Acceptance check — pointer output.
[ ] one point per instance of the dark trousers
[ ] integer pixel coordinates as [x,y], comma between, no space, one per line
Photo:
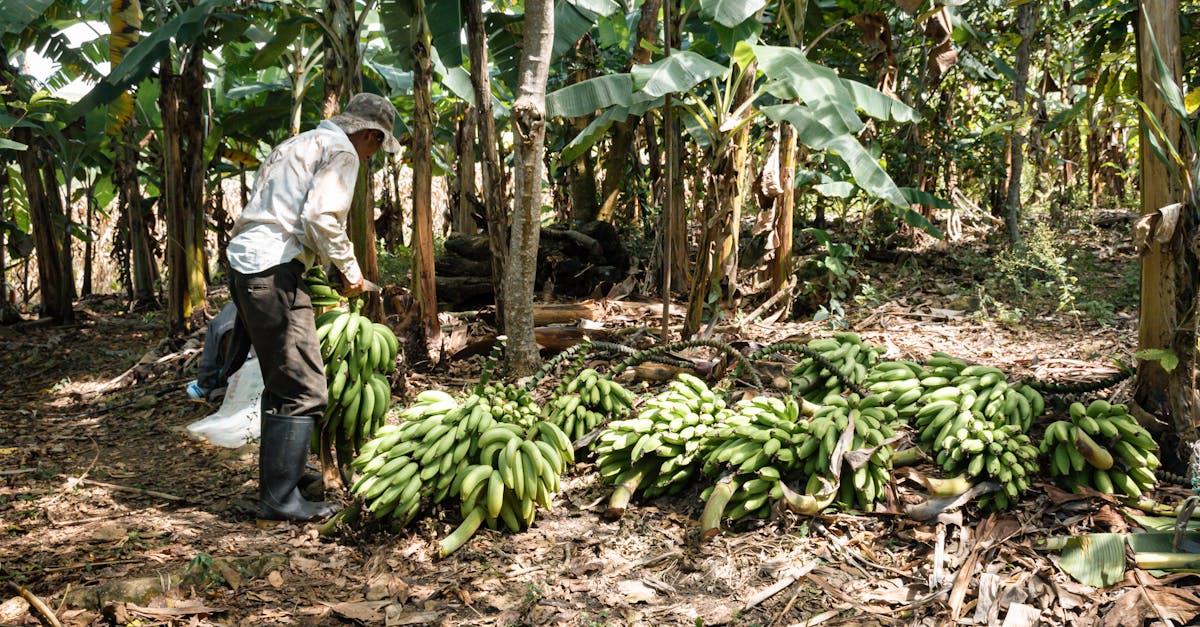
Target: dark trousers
[275,312]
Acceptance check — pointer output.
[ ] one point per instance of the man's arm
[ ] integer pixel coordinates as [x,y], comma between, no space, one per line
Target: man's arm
[324,216]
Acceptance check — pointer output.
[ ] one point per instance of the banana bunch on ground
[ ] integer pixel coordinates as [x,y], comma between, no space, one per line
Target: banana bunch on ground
[1104,447]
[660,447]
[587,401]
[862,482]
[970,444]
[358,354]
[901,384]
[982,389]
[499,463]
[323,294]
[756,447]
[509,403]
[845,352]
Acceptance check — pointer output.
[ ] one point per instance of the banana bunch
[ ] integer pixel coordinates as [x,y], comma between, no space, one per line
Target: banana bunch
[509,403]
[358,353]
[758,443]
[901,384]
[862,483]
[497,468]
[660,447]
[970,444]
[982,389]
[944,366]
[846,352]
[586,401]
[1102,446]
[323,294]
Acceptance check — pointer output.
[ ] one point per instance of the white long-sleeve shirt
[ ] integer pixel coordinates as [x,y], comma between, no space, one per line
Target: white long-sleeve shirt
[299,205]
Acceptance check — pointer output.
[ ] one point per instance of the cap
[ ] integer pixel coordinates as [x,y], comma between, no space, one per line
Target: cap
[372,111]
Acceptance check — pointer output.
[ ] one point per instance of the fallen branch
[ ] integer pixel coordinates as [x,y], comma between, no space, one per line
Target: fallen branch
[17,471]
[73,481]
[45,614]
[793,575]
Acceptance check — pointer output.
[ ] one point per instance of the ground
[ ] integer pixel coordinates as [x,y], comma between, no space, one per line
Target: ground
[111,514]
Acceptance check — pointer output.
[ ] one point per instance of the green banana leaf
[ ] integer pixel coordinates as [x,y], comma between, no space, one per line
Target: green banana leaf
[445,23]
[587,97]
[286,35]
[677,73]
[879,105]
[591,134]
[1096,559]
[573,19]
[19,13]
[791,76]
[730,13]
[814,132]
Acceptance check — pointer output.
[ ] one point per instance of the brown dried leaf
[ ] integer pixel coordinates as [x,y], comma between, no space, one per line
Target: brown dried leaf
[366,611]
[1139,604]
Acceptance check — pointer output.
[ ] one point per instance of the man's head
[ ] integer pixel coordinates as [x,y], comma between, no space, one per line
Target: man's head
[367,120]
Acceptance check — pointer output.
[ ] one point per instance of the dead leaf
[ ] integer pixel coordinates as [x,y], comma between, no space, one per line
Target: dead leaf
[366,611]
[110,532]
[13,609]
[394,617]
[275,579]
[1139,604]
[635,591]
[229,573]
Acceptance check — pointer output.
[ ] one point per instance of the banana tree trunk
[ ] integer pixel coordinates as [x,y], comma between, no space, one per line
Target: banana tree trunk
[141,271]
[423,283]
[464,146]
[45,208]
[785,207]
[1169,268]
[493,175]
[183,188]
[529,136]
[622,139]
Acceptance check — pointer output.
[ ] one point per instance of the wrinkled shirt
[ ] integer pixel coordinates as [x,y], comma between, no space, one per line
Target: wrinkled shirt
[299,205]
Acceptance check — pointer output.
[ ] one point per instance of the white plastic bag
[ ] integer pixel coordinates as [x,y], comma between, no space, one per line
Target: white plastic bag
[237,422]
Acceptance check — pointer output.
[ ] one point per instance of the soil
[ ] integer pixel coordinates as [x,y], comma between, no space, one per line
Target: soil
[111,514]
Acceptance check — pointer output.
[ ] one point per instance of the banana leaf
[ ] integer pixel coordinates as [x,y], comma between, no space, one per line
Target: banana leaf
[573,19]
[19,13]
[587,97]
[677,73]
[730,13]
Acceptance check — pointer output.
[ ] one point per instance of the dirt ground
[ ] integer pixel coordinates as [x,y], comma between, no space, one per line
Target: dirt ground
[111,514]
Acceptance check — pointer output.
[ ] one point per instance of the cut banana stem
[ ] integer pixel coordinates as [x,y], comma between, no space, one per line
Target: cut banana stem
[714,509]
[625,489]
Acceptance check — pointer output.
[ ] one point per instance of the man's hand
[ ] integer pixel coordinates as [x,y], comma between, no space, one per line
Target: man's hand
[350,290]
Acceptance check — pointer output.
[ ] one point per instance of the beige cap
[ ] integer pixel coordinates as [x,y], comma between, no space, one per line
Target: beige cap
[369,111]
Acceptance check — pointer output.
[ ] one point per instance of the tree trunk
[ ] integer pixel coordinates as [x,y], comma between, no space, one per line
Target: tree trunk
[424,286]
[529,135]
[464,145]
[622,139]
[142,272]
[88,244]
[183,188]
[493,176]
[1169,269]
[1026,17]
[343,79]
[785,205]
[54,281]
[717,262]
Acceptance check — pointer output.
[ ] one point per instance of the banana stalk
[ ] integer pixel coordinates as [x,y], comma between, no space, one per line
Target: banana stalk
[714,508]
[619,501]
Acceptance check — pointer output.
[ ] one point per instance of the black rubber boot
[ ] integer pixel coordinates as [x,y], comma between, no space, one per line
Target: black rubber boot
[282,452]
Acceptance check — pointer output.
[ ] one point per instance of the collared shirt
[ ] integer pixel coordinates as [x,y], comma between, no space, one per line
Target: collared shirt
[299,205]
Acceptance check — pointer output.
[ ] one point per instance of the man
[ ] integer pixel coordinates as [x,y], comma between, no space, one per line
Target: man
[296,218]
